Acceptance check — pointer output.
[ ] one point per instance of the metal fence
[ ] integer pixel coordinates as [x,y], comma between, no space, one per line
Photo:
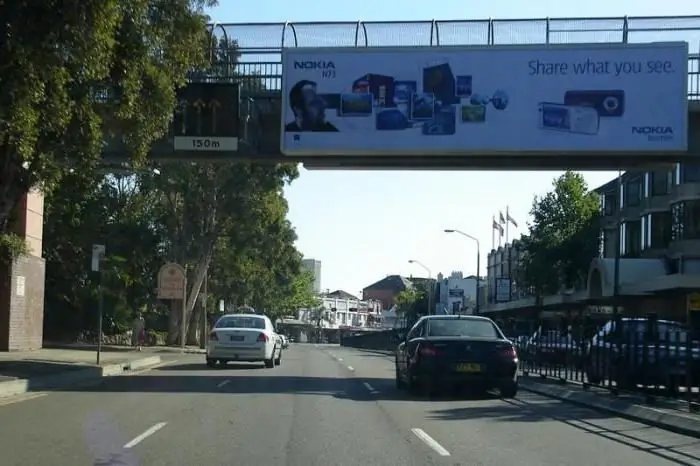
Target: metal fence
[655,359]
[260,44]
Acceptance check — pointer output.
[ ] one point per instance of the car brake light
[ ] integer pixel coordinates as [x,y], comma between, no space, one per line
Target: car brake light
[263,337]
[429,350]
[213,336]
[508,352]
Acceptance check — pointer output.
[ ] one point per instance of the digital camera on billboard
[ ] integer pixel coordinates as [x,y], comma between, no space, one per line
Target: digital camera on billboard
[608,103]
[568,118]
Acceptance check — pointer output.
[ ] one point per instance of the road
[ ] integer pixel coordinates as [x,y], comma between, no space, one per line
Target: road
[324,406]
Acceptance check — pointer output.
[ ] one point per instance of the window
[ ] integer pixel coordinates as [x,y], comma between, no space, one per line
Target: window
[659,230]
[416,331]
[609,200]
[685,220]
[241,322]
[660,182]
[633,192]
[690,172]
[462,328]
[632,234]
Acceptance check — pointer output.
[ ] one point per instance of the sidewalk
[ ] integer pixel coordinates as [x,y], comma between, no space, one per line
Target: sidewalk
[45,369]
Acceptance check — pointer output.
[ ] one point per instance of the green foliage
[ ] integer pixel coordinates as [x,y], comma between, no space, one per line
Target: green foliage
[412,303]
[11,246]
[84,68]
[563,236]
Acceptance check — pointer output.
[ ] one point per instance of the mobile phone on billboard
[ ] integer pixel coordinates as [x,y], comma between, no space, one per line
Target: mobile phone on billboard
[609,103]
[568,118]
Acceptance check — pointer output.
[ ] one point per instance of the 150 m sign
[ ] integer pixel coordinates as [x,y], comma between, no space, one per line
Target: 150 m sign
[207,119]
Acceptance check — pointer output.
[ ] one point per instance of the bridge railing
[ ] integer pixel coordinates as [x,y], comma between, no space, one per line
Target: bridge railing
[258,45]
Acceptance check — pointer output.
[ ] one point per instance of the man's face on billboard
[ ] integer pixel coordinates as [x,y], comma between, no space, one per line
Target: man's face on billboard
[313,110]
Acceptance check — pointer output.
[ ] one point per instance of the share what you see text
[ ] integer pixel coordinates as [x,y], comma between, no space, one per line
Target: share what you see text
[595,67]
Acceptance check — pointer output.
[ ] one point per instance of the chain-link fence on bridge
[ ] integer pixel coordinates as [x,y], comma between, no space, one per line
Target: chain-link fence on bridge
[258,46]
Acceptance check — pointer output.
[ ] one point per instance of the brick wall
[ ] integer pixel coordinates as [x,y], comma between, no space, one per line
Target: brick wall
[22,304]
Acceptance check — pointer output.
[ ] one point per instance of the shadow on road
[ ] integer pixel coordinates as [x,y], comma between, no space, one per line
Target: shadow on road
[27,368]
[204,367]
[528,408]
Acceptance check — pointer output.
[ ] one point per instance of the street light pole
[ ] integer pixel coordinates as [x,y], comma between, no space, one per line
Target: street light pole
[430,280]
[477,307]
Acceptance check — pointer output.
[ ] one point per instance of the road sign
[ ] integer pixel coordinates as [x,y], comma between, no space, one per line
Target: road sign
[172,282]
[98,253]
[207,118]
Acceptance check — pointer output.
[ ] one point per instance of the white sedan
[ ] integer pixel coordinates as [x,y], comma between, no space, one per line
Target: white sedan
[244,338]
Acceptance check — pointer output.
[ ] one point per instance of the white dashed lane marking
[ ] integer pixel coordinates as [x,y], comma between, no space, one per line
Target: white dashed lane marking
[431,442]
[221,384]
[136,440]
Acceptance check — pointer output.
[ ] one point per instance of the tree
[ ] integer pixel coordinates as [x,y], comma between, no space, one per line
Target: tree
[82,70]
[563,236]
[412,303]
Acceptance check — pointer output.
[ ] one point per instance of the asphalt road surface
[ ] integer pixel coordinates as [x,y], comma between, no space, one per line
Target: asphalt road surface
[324,406]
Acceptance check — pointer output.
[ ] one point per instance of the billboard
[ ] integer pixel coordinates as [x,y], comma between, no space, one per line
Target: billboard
[555,99]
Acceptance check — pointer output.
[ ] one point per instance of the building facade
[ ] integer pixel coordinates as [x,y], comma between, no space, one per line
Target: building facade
[650,234]
[456,294]
[314,266]
[335,313]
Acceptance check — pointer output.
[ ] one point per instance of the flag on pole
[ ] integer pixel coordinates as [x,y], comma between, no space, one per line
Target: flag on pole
[497,226]
[510,219]
[501,218]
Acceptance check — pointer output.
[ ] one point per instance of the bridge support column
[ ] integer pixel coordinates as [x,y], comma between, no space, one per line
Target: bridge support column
[22,282]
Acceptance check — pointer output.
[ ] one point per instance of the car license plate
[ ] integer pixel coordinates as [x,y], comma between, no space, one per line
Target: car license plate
[469,368]
[236,338]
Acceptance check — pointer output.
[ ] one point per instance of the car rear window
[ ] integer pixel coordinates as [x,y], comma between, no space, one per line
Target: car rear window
[241,322]
[462,328]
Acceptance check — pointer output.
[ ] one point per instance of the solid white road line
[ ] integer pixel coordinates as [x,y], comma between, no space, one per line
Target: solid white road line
[351,368]
[431,442]
[221,384]
[145,435]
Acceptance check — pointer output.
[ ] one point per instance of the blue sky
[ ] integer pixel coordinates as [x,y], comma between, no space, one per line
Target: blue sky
[366,225]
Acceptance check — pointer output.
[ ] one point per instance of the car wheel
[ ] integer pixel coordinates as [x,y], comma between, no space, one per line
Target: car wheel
[270,363]
[415,384]
[278,361]
[509,390]
[211,362]
[400,384]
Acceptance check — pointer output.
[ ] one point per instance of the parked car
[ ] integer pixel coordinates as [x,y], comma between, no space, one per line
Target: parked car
[641,351]
[244,338]
[449,350]
[285,341]
[553,348]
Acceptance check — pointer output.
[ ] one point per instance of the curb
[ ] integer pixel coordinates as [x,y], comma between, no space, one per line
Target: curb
[680,423]
[75,377]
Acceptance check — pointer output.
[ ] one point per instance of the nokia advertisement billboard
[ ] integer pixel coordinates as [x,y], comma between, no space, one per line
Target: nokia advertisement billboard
[477,100]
